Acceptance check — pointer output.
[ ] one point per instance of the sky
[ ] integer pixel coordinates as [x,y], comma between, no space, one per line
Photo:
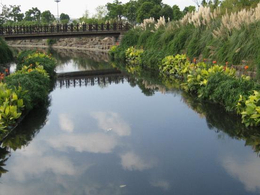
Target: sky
[77,8]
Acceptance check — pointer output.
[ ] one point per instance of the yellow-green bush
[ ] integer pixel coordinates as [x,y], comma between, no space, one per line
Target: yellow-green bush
[249,108]
[133,56]
[35,59]
[216,83]
[11,105]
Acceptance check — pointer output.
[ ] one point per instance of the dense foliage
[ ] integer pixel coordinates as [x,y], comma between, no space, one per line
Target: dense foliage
[34,80]
[25,89]
[12,15]
[34,59]
[204,34]
[207,37]
[208,81]
[5,53]
[11,105]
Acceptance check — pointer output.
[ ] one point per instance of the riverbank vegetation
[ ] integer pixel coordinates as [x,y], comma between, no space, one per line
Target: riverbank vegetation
[6,54]
[205,34]
[25,89]
[207,37]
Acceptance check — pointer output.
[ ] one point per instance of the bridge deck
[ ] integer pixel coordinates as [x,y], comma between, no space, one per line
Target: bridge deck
[61,34]
[62,30]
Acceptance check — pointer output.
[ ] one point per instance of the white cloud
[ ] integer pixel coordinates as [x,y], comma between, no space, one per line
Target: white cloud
[65,122]
[95,142]
[130,161]
[36,160]
[246,170]
[112,120]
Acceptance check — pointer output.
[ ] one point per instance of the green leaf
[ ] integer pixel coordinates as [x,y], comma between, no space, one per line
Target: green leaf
[20,103]
[15,97]
[7,110]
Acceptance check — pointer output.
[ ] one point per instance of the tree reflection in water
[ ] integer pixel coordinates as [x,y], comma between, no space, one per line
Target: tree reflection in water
[23,133]
[222,122]
[219,120]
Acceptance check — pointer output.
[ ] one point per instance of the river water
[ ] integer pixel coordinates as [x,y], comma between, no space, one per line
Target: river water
[123,135]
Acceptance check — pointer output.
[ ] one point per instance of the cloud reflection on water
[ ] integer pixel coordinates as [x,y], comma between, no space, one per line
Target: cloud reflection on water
[35,161]
[94,142]
[47,158]
[113,121]
[131,161]
[246,170]
[165,185]
[66,123]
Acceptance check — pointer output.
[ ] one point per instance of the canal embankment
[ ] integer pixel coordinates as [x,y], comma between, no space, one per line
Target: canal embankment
[220,61]
[92,43]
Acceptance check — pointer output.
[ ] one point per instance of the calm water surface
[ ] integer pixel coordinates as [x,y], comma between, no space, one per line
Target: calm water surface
[111,139]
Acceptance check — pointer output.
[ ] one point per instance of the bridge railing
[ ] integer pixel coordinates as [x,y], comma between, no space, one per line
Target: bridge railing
[63,28]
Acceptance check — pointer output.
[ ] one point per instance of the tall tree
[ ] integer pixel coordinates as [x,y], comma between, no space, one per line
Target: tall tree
[211,3]
[15,13]
[64,18]
[130,9]
[177,14]
[115,10]
[166,11]
[236,5]
[11,14]
[157,2]
[147,10]
[101,12]
[47,17]
[33,14]
[189,9]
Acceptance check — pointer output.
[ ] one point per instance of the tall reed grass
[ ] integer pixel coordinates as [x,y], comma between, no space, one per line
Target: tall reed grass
[204,34]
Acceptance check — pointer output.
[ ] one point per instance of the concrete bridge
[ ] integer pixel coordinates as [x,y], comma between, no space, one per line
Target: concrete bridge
[62,30]
[91,78]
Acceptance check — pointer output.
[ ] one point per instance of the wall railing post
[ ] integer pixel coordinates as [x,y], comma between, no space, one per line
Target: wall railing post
[58,28]
[115,26]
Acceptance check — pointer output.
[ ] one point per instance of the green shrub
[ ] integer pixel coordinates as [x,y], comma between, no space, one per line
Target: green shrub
[133,56]
[113,51]
[51,42]
[249,108]
[217,84]
[22,55]
[224,89]
[35,59]
[175,65]
[11,105]
[35,81]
